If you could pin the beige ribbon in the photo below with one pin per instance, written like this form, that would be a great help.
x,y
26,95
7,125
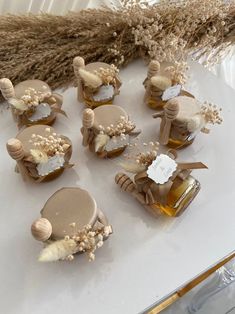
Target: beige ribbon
x,y
158,192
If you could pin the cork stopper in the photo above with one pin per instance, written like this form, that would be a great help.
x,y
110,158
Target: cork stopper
x,y
88,118
41,229
153,68
15,149
125,182
78,62
7,88
171,110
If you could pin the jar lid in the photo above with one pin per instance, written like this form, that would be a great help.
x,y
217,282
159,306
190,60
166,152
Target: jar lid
x,y
108,114
38,85
188,107
25,135
69,210
95,66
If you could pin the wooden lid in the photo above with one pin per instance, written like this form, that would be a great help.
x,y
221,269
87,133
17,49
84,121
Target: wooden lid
x,y
38,85
69,210
188,107
108,114
25,135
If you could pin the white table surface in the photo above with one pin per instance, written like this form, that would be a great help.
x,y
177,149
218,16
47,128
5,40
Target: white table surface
x,y
145,259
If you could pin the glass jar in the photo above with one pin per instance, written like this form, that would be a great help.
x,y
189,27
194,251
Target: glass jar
x,y
107,130
98,83
32,102
41,154
181,122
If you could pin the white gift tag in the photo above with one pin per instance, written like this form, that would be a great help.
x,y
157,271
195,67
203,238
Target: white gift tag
x,y
53,163
43,110
117,142
171,92
161,169
105,92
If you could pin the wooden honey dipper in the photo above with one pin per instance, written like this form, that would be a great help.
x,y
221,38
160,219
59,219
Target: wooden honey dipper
x,y
127,185
78,63
171,110
41,229
16,151
7,88
153,69
87,122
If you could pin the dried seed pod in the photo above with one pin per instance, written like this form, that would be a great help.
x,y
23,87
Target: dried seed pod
x,y
88,118
7,88
78,62
15,149
153,68
41,229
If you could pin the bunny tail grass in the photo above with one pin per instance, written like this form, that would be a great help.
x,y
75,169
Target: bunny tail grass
x,y
57,250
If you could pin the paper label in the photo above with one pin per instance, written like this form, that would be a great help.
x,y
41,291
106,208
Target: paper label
x,y
105,92
171,92
117,142
161,169
53,163
43,110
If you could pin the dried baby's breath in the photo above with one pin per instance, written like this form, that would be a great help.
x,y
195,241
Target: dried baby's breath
x,y
44,46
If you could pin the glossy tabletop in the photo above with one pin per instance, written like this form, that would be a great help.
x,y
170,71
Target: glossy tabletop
x,y
145,259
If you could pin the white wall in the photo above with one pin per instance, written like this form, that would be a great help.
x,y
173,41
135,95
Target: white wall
x,y
50,6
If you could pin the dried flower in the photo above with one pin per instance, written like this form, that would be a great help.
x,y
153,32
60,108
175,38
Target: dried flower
x,y
164,31
211,114
47,146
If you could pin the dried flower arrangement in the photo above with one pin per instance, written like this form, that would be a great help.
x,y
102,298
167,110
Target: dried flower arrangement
x,y
98,82
32,102
183,118
40,153
86,241
47,146
160,184
63,238
165,31
111,139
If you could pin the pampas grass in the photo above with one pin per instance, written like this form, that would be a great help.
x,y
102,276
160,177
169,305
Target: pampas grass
x,y
43,46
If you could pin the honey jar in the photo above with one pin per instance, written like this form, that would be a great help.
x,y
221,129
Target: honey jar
x,y
70,224
162,83
32,102
160,184
40,153
107,130
183,118
97,83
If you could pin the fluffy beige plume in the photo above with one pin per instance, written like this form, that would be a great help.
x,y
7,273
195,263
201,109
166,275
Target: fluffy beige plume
x,y
132,167
161,82
18,104
100,141
39,156
90,79
58,250
195,123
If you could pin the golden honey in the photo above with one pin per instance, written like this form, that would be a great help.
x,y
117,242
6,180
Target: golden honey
x,y
180,196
